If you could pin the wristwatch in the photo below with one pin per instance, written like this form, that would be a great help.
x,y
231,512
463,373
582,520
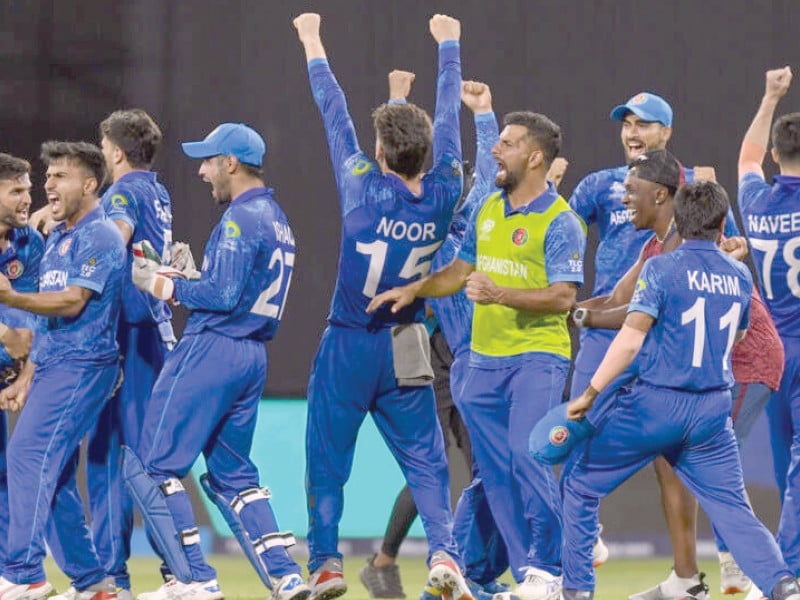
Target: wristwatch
x,y
579,316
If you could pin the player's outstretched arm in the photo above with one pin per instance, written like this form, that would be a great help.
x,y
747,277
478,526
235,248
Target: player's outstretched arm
x,y
68,302
442,283
307,26
446,125
756,140
400,85
619,356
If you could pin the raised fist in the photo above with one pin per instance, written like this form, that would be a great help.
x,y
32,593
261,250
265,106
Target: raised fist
x,y
476,96
444,28
400,83
307,26
778,81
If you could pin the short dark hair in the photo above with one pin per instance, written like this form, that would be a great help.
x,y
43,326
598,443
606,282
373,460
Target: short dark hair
x,y
12,167
786,137
136,134
406,132
541,129
89,156
700,208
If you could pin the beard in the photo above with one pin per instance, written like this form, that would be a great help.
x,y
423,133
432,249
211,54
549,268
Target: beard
x,y
508,183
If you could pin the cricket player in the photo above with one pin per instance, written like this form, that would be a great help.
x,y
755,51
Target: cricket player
x,y
67,380
394,218
205,400
771,217
689,308
21,250
142,210
521,262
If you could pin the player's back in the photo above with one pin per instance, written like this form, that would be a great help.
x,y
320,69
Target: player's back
x,y
140,201
388,240
700,298
771,216
247,266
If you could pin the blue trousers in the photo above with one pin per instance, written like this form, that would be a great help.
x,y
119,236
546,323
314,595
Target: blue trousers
x,y
3,491
694,432
64,401
501,406
789,396
352,375
474,528
110,505
592,349
205,400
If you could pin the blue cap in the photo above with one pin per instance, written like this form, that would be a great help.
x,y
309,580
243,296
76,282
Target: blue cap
x,y
646,106
554,436
230,139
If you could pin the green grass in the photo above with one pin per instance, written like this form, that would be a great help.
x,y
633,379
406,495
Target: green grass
x,y
615,580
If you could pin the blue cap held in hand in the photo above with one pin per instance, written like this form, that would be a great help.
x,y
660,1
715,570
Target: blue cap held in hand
x,y
554,436
230,139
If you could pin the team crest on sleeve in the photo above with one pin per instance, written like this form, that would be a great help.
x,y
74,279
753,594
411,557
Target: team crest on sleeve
x,y
14,269
559,435
361,167
640,285
64,247
519,237
232,229
118,201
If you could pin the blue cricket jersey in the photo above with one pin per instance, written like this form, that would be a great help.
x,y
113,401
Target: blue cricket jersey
x,y
598,199
90,255
388,234
247,268
700,298
454,313
771,218
20,263
139,200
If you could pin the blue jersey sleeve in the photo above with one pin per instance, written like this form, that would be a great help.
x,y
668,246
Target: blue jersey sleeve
x,y
26,265
583,199
648,296
751,187
95,260
564,248
469,248
123,206
485,168
446,125
226,269
346,156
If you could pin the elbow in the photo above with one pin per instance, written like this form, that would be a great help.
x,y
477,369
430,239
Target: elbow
x,y
565,300
73,309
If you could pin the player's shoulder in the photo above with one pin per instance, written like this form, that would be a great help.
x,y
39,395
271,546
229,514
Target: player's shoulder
x,y
28,237
602,178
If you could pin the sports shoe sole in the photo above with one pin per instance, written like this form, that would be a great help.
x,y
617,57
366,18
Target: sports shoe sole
x,y
329,593
452,585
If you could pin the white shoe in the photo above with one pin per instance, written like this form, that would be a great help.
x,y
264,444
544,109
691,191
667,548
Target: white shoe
x,y
599,550
124,594
755,594
290,587
732,580
24,591
176,590
676,588
539,585
445,575
327,582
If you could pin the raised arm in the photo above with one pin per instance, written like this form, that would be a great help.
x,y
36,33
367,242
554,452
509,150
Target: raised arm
x,y
446,126
756,140
328,94
478,98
